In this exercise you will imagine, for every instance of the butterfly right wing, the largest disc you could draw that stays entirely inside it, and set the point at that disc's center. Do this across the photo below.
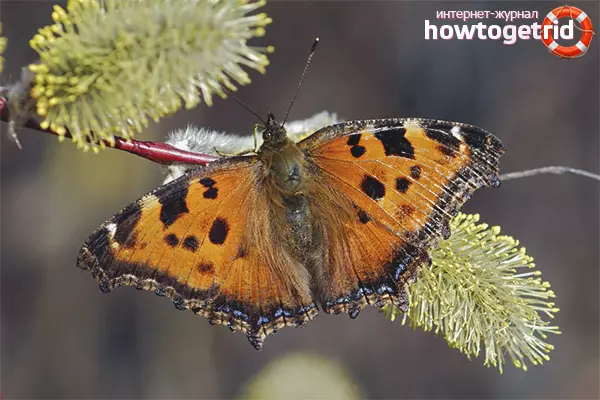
(206, 241)
(392, 187)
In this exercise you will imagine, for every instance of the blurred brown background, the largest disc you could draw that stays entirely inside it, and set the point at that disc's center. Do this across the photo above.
(62, 338)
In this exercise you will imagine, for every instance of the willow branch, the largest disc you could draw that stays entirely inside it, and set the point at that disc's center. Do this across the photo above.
(158, 152)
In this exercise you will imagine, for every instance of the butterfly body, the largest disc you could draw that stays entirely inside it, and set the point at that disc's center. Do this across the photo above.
(338, 221)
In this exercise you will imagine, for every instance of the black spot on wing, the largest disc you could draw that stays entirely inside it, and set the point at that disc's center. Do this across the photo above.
(372, 187)
(353, 139)
(171, 240)
(475, 137)
(395, 143)
(211, 191)
(357, 151)
(190, 243)
(218, 231)
(207, 182)
(173, 204)
(449, 144)
(415, 172)
(205, 268)
(126, 223)
(478, 139)
(447, 151)
(363, 216)
(402, 184)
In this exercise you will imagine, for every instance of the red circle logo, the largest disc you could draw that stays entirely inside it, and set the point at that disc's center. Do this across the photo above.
(587, 32)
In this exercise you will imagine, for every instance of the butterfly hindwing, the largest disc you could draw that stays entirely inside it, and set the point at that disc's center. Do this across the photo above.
(393, 186)
(205, 241)
(363, 262)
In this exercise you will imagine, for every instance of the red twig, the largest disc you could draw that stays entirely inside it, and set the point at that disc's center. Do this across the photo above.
(159, 152)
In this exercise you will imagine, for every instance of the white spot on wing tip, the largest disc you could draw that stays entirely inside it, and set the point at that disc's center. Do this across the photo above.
(111, 228)
(456, 132)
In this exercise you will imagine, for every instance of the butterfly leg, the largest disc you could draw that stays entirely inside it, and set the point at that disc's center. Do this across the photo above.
(241, 153)
(254, 150)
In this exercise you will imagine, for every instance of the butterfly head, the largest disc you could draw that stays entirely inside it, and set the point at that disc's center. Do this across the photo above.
(274, 134)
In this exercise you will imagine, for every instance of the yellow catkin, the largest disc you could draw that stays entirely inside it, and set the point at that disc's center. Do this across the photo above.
(481, 293)
(105, 61)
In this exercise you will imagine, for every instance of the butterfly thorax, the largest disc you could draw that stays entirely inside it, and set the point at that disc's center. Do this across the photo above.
(284, 161)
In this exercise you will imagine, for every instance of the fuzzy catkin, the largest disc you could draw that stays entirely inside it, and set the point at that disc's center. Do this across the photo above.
(109, 66)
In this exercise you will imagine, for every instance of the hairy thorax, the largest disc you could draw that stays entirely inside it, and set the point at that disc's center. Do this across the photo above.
(286, 167)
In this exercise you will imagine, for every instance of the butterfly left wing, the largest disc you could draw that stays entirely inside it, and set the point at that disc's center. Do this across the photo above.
(206, 241)
(391, 187)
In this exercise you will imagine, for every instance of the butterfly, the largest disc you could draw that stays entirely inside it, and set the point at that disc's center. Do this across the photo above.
(335, 222)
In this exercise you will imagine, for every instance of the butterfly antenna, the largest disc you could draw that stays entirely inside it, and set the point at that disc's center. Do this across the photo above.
(241, 103)
(308, 60)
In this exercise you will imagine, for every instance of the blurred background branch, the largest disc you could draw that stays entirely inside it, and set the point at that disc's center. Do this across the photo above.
(554, 169)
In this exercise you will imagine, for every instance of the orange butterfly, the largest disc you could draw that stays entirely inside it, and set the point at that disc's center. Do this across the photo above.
(340, 220)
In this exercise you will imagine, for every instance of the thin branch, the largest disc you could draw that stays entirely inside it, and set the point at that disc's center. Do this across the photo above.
(555, 169)
(158, 152)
